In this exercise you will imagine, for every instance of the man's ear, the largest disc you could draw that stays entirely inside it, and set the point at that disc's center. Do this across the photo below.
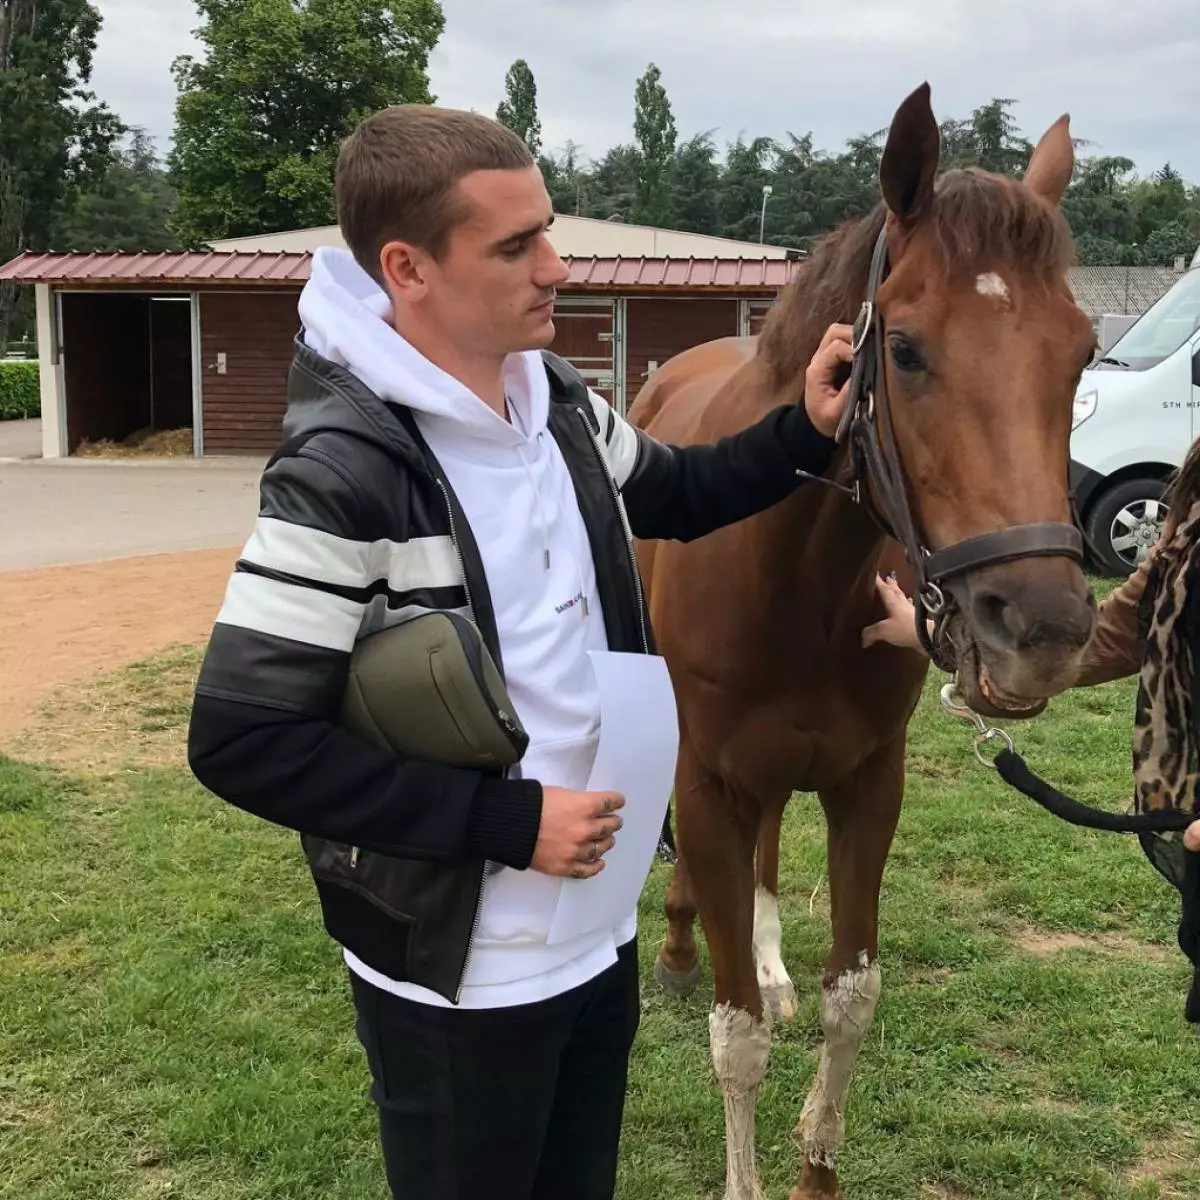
(405, 269)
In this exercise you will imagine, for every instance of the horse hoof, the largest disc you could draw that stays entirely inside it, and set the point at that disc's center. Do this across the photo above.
(817, 1183)
(679, 985)
(780, 1001)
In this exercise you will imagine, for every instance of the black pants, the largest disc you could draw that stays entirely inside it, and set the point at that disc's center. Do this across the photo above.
(520, 1103)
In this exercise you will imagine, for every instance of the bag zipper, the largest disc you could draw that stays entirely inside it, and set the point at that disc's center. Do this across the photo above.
(616, 497)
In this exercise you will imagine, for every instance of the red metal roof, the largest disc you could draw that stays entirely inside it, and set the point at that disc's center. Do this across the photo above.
(252, 268)
(199, 267)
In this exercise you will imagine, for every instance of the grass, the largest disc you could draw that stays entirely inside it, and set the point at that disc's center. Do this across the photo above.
(174, 1021)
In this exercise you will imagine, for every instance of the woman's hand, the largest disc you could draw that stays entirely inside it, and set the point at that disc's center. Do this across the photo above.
(899, 627)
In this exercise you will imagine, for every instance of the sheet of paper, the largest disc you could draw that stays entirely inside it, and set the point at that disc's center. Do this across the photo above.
(639, 743)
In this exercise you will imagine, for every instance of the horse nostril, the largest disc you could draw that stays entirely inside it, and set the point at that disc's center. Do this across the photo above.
(1003, 623)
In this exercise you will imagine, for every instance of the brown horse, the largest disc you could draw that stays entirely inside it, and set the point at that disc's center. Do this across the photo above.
(978, 347)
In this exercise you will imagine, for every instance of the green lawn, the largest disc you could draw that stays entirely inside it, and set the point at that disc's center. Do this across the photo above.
(173, 1020)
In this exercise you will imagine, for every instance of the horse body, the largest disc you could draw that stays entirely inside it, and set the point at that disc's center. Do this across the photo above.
(761, 623)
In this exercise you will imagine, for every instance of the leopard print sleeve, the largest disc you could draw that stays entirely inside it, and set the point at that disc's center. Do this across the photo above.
(1119, 640)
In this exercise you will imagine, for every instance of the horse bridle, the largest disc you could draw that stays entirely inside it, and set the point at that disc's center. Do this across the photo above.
(876, 469)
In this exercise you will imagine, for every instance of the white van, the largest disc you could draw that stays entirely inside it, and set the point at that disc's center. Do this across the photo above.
(1137, 411)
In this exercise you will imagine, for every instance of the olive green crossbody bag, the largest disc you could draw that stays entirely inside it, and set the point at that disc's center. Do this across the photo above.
(428, 689)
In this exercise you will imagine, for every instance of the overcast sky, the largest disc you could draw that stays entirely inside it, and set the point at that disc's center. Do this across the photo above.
(1128, 72)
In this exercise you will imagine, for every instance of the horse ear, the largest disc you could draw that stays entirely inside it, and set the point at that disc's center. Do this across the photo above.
(1053, 161)
(910, 158)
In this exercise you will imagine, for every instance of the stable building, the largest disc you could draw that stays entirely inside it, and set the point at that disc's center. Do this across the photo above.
(134, 342)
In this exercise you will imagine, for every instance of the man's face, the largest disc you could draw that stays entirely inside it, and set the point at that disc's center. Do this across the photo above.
(492, 293)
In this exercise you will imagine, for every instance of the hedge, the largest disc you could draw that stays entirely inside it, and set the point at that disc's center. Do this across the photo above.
(20, 394)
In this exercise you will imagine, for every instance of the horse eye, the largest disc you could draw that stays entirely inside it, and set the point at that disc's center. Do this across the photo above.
(904, 354)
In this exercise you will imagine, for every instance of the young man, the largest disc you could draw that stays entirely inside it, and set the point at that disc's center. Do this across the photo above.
(435, 458)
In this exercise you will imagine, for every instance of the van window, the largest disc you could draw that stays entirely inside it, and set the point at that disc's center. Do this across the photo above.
(1163, 328)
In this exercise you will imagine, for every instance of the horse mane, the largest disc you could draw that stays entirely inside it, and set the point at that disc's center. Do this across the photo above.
(979, 218)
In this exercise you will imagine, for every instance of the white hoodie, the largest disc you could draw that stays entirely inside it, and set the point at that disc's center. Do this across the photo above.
(518, 497)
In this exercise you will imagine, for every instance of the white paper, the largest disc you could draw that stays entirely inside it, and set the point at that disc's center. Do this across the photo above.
(639, 743)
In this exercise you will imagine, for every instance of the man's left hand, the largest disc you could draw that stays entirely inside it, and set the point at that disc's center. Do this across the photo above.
(824, 400)
(1191, 837)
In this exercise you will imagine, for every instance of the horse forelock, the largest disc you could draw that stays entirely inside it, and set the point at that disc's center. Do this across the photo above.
(979, 220)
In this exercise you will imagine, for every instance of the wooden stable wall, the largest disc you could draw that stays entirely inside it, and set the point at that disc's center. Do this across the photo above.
(659, 328)
(243, 408)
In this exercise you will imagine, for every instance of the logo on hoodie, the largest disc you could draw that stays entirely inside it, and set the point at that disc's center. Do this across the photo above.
(574, 601)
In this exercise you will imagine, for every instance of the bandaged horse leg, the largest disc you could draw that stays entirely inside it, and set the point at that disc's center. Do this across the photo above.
(778, 994)
(741, 1045)
(716, 832)
(861, 815)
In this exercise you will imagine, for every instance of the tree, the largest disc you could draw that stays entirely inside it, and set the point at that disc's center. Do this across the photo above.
(739, 202)
(260, 119)
(518, 110)
(53, 134)
(655, 134)
(611, 189)
(695, 180)
(126, 208)
(565, 179)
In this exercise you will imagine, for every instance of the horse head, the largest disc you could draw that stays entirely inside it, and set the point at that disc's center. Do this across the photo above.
(978, 346)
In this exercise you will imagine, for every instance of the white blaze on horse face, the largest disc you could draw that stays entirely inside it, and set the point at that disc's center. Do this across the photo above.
(773, 979)
(992, 285)
(847, 1010)
(740, 1048)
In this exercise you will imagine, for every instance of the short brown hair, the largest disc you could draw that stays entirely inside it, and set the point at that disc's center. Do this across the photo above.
(396, 171)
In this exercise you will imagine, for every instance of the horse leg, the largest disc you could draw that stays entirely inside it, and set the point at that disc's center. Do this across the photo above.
(677, 967)
(861, 813)
(716, 834)
(779, 996)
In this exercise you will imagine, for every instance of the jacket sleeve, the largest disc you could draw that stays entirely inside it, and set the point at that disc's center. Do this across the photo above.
(263, 733)
(684, 492)
(1118, 642)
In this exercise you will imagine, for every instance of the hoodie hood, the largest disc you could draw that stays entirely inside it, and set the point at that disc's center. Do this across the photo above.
(345, 315)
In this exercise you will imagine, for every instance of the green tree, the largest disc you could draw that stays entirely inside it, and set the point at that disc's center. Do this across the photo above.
(695, 181)
(260, 118)
(739, 202)
(126, 208)
(655, 133)
(53, 133)
(1098, 205)
(518, 110)
(565, 179)
(611, 188)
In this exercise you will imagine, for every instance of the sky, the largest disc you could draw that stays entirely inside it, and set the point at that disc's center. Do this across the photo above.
(1128, 73)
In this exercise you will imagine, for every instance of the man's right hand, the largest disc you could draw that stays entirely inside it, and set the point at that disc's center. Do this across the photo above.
(577, 831)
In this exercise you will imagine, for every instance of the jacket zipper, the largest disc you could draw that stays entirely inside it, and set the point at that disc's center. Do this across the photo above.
(354, 850)
(470, 609)
(616, 498)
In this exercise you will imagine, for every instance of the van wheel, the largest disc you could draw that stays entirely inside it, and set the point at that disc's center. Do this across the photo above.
(1124, 523)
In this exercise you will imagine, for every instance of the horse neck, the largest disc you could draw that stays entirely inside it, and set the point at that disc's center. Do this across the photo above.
(830, 536)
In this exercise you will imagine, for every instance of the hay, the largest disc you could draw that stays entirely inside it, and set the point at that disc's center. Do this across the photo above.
(145, 443)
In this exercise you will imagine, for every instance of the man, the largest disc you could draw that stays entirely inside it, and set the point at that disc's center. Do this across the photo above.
(435, 458)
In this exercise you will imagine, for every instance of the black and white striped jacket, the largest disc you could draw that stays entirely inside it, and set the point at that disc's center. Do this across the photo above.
(358, 528)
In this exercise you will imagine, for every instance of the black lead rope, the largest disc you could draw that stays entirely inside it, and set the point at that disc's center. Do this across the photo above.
(1015, 771)
(1179, 866)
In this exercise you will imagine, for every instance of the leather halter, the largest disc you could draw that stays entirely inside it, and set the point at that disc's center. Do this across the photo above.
(876, 468)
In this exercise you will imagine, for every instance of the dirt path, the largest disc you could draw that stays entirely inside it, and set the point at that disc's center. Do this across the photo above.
(61, 625)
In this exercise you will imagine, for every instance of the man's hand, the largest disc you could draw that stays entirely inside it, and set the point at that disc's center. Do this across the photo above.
(576, 832)
(1191, 837)
(824, 398)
